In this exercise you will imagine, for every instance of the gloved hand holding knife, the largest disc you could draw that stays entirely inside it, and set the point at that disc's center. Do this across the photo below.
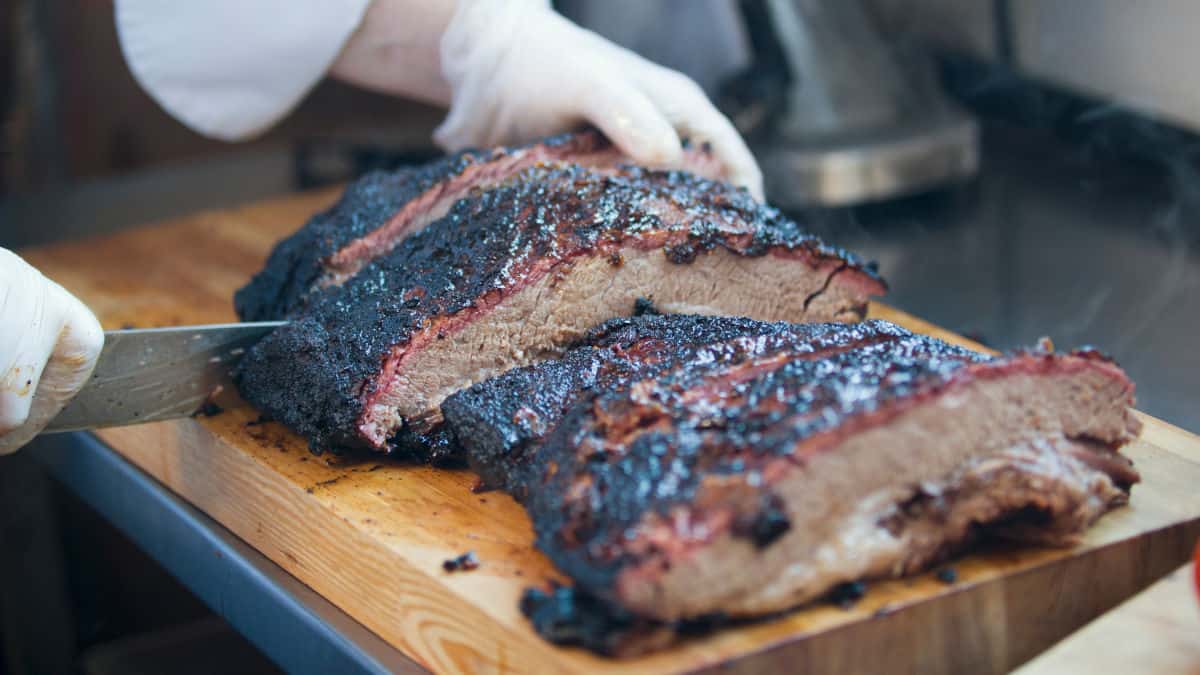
(60, 372)
(48, 347)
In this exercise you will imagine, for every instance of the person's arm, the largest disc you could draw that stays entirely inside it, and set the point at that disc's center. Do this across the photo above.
(510, 71)
(49, 343)
(230, 69)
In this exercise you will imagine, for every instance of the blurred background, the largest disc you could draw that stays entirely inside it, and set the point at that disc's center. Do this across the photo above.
(1018, 168)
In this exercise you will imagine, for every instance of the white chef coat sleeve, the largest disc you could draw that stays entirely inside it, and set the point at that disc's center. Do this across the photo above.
(230, 69)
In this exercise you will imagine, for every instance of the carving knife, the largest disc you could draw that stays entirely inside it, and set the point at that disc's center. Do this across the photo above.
(151, 374)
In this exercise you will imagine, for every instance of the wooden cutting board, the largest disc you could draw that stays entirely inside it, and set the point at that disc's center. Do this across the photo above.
(371, 535)
(1157, 632)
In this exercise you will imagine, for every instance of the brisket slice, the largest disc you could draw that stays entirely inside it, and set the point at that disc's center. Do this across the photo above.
(743, 485)
(500, 421)
(379, 210)
(512, 274)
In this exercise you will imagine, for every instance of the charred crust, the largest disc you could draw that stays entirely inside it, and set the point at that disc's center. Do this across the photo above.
(682, 254)
(644, 306)
(568, 616)
(463, 563)
(1093, 354)
(208, 409)
(766, 525)
(438, 446)
(848, 594)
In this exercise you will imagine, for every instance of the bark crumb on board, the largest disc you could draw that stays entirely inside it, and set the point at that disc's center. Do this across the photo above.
(209, 407)
(947, 575)
(465, 562)
(848, 594)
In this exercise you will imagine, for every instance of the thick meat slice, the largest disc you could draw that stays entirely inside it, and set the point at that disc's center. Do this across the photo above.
(660, 489)
(741, 487)
(381, 209)
(513, 274)
(499, 421)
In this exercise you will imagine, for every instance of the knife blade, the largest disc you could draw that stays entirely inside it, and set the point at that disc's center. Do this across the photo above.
(151, 374)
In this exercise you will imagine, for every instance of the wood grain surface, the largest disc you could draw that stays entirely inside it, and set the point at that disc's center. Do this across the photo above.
(370, 534)
(1157, 632)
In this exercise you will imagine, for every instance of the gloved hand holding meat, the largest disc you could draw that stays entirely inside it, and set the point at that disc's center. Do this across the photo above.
(49, 343)
(520, 71)
(511, 71)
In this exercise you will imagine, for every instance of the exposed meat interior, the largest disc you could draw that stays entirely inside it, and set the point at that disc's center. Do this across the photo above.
(746, 476)
(514, 273)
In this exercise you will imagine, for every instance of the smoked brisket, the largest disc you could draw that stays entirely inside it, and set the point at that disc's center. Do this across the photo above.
(381, 209)
(515, 272)
(741, 476)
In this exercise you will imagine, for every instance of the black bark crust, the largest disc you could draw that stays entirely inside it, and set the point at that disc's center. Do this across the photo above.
(288, 280)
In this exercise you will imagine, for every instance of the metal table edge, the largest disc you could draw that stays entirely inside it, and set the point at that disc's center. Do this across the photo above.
(290, 623)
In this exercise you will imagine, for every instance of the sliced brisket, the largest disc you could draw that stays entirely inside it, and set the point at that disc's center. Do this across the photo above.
(513, 273)
(741, 479)
(501, 420)
(378, 211)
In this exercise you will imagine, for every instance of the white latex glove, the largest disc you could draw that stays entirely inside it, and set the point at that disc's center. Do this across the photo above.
(49, 342)
(518, 71)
